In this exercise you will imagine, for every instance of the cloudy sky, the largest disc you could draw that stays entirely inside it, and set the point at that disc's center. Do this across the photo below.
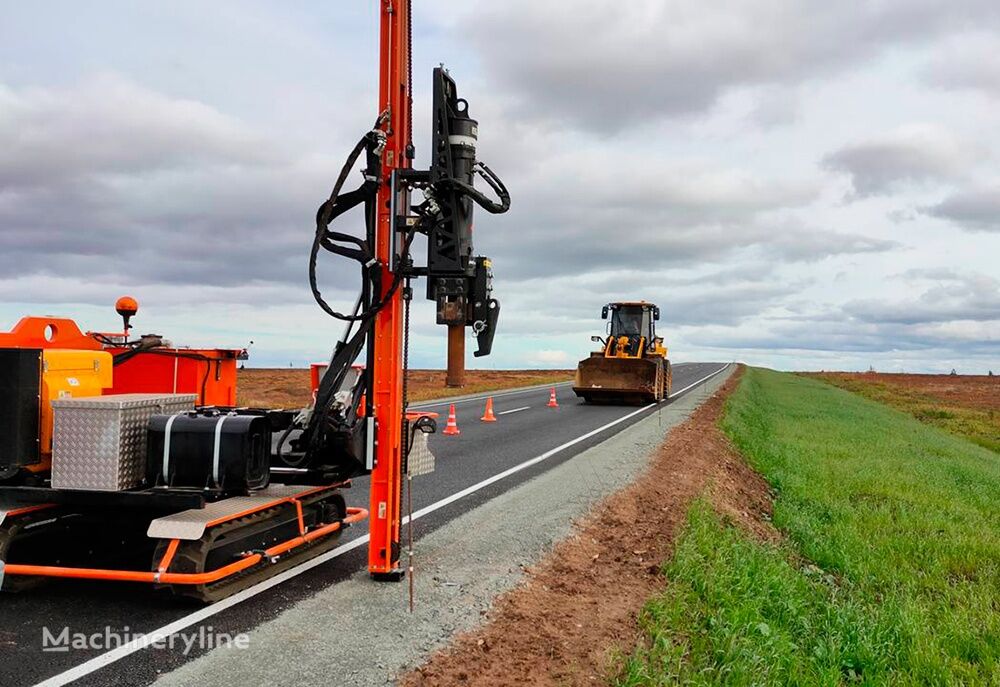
(800, 184)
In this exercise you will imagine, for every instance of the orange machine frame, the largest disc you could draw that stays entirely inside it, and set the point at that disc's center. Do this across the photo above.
(395, 98)
(211, 375)
(208, 372)
(48, 332)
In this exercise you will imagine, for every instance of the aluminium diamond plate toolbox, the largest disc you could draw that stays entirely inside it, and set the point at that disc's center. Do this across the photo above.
(99, 442)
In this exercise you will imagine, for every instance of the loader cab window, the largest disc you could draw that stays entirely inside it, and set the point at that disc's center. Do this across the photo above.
(632, 322)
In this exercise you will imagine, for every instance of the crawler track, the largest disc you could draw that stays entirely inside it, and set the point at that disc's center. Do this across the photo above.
(60, 536)
(224, 543)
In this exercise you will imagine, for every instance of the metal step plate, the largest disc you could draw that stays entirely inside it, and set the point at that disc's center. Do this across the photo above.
(4, 509)
(190, 525)
(13, 508)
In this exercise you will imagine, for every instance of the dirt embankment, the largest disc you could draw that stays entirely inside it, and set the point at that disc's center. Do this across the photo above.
(581, 604)
(289, 388)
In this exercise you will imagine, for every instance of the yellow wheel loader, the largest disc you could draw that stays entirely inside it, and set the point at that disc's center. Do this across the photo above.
(632, 365)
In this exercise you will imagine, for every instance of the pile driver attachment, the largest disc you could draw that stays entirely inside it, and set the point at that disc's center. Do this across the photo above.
(362, 426)
(333, 438)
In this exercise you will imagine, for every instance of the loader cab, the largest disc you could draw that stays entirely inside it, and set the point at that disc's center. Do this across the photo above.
(634, 321)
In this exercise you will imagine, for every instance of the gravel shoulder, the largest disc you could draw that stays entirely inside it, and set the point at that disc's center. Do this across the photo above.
(360, 633)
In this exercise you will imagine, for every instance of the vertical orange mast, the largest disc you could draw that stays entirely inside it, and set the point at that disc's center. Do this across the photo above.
(396, 100)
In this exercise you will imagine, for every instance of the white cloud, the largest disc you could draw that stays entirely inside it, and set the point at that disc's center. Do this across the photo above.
(107, 125)
(977, 209)
(669, 151)
(608, 65)
(548, 358)
(912, 153)
(969, 61)
(107, 177)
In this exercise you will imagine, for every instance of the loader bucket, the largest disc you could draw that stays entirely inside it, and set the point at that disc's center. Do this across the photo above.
(619, 380)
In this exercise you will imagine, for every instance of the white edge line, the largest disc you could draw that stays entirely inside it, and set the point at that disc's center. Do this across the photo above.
(703, 379)
(514, 410)
(106, 659)
(87, 667)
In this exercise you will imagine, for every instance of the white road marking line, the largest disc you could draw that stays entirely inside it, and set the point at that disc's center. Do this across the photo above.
(515, 410)
(703, 379)
(140, 643)
(106, 659)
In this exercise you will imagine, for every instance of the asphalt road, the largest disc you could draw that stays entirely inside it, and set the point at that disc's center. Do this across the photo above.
(527, 428)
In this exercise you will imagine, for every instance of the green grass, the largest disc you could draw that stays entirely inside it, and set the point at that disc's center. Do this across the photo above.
(890, 573)
(980, 425)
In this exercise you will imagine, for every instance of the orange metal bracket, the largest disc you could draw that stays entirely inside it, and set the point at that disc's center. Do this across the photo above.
(47, 332)
(160, 576)
(24, 510)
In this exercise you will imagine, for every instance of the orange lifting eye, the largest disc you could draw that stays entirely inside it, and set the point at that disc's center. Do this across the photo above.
(127, 306)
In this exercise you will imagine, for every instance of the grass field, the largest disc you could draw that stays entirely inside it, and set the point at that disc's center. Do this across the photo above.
(889, 572)
(968, 406)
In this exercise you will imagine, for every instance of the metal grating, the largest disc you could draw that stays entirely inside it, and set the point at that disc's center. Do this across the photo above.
(421, 460)
(99, 443)
(190, 524)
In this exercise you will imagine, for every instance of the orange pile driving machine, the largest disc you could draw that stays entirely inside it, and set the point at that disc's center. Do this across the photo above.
(129, 458)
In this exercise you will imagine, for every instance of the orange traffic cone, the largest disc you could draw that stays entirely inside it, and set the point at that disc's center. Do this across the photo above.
(488, 416)
(552, 399)
(452, 426)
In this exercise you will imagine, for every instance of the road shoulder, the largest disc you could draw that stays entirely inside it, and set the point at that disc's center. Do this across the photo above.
(360, 633)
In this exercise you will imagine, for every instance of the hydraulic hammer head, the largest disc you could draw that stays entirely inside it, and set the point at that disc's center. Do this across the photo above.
(460, 284)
